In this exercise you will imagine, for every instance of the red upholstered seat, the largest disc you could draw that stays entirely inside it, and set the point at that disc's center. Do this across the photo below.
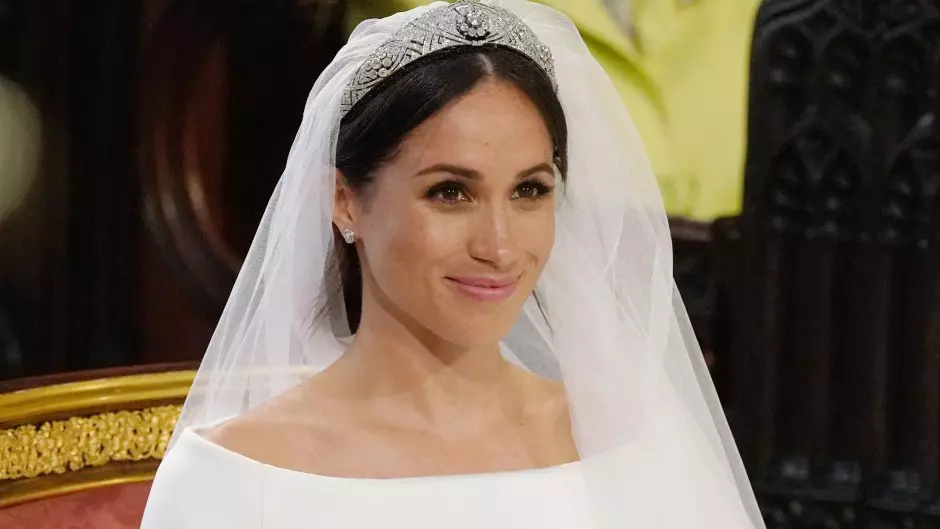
(110, 507)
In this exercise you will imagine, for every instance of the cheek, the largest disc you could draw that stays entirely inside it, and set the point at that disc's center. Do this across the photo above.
(539, 235)
(406, 245)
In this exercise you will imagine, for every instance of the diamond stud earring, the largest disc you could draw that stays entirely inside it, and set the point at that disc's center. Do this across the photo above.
(349, 236)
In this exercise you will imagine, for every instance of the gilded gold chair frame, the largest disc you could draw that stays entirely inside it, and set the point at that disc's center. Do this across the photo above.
(77, 436)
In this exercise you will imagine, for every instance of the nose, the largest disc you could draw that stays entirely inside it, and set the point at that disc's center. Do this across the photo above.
(493, 241)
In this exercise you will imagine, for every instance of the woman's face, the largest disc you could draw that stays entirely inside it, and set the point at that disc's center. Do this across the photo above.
(456, 228)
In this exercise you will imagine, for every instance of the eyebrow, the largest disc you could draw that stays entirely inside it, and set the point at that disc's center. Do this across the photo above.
(471, 174)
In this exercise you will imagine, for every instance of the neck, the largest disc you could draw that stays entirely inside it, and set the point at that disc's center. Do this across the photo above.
(410, 373)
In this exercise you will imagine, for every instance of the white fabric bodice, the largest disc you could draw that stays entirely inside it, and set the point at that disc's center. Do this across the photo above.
(201, 485)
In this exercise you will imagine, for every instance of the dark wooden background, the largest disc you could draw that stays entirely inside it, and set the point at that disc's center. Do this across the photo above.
(164, 125)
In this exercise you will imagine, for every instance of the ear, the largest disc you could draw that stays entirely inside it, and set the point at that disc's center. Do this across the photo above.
(344, 205)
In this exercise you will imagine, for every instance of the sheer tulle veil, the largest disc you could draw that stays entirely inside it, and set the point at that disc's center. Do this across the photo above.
(609, 324)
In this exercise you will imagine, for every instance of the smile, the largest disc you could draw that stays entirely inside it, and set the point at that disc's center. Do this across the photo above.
(485, 289)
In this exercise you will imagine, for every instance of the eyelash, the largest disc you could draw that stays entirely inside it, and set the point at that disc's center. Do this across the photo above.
(538, 191)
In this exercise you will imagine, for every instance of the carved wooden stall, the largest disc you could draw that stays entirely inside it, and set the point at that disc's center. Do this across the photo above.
(832, 273)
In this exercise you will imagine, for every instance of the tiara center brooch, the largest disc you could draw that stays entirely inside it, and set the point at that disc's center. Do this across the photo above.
(474, 24)
(447, 26)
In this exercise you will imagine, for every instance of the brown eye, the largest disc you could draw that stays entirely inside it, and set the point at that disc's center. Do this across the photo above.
(533, 190)
(448, 193)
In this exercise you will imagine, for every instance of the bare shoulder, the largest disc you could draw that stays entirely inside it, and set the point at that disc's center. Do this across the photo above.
(251, 435)
(280, 433)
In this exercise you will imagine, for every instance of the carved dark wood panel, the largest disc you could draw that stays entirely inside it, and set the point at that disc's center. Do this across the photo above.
(693, 270)
(833, 275)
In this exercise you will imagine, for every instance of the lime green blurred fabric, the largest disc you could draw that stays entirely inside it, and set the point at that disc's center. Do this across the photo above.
(683, 78)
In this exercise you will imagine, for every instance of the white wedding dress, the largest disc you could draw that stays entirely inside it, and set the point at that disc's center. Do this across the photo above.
(201, 485)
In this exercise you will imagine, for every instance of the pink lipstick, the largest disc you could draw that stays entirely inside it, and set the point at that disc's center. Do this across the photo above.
(485, 288)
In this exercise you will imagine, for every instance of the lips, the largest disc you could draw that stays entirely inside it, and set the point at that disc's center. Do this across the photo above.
(485, 288)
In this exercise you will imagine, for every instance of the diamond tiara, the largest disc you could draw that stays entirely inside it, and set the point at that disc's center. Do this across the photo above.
(463, 23)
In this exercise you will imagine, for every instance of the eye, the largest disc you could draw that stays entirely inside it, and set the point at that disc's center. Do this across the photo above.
(532, 190)
(448, 193)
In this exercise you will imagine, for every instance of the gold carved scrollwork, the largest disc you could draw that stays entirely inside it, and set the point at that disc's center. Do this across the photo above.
(56, 447)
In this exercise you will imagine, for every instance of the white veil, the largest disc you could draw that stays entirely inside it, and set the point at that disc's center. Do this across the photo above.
(656, 450)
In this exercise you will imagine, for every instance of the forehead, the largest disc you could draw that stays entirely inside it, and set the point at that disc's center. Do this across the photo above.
(495, 124)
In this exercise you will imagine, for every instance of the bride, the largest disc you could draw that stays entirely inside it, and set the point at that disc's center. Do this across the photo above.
(458, 309)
